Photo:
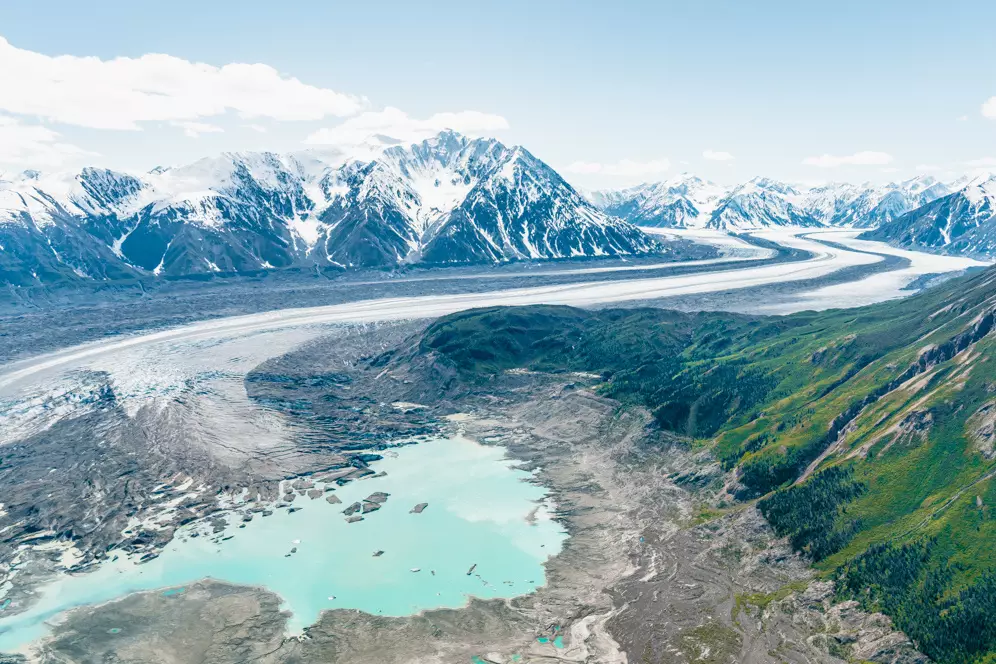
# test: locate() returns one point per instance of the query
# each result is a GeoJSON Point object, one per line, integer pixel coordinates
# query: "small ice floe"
{"type": "Point", "coordinates": [416, 569]}
{"type": "Point", "coordinates": [331, 598]}
{"type": "Point", "coordinates": [406, 406]}
{"type": "Point", "coordinates": [296, 542]}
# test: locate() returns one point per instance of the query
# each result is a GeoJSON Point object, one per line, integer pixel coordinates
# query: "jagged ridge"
{"type": "Point", "coordinates": [447, 200]}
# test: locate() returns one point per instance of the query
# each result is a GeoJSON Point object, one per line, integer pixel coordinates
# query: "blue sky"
{"type": "Point", "coordinates": [608, 93]}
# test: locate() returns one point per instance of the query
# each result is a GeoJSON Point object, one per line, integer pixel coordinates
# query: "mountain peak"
{"type": "Point", "coordinates": [984, 180]}
{"type": "Point", "coordinates": [448, 135]}
{"type": "Point", "coordinates": [981, 190]}
{"type": "Point", "coordinates": [446, 140]}
{"type": "Point", "coordinates": [926, 180]}
{"type": "Point", "coordinates": [447, 199]}
{"type": "Point", "coordinates": [765, 184]}
{"type": "Point", "coordinates": [685, 178]}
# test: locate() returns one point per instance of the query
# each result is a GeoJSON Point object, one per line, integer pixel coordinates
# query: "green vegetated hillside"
{"type": "Point", "coordinates": [865, 435]}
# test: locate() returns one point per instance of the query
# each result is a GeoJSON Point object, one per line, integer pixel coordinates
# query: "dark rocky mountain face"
{"type": "Point", "coordinates": [368, 226]}
{"type": "Point", "coordinates": [521, 208]}
{"type": "Point", "coordinates": [447, 200]}
{"type": "Point", "coordinates": [61, 250]}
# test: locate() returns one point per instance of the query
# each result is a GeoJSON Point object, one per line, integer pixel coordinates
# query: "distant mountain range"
{"type": "Point", "coordinates": [963, 222]}
{"type": "Point", "coordinates": [448, 200]}
{"type": "Point", "coordinates": [687, 201]}
{"type": "Point", "coordinates": [920, 213]}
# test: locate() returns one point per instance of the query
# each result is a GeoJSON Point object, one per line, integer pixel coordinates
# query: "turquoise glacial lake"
{"type": "Point", "coordinates": [482, 511]}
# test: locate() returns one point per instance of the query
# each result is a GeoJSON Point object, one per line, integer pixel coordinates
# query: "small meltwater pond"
{"type": "Point", "coordinates": [486, 532]}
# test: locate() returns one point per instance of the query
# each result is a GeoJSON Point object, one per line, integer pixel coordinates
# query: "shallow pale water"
{"type": "Point", "coordinates": [480, 512]}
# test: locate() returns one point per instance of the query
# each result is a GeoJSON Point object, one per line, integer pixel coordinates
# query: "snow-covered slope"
{"type": "Point", "coordinates": [688, 201]}
{"type": "Point", "coordinates": [685, 201]}
{"type": "Point", "coordinates": [867, 205]}
{"type": "Point", "coordinates": [63, 226]}
{"type": "Point", "coordinates": [448, 200]}
{"type": "Point", "coordinates": [761, 203]}
{"type": "Point", "coordinates": [454, 200]}
{"type": "Point", "coordinates": [963, 222]}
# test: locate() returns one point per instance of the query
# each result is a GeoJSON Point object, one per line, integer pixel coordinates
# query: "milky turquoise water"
{"type": "Point", "coordinates": [482, 510]}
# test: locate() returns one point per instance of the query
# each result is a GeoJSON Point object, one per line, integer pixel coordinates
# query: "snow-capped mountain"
{"type": "Point", "coordinates": [963, 222]}
{"type": "Point", "coordinates": [454, 200]}
{"type": "Point", "coordinates": [761, 203]}
{"type": "Point", "coordinates": [231, 213]}
{"type": "Point", "coordinates": [866, 205]}
{"type": "Point", "coordinates": [685, 201]}
{"type": "Point", "coordinates": [688, 201]}
{"type": "Point", "coordinates": [448, 200]}
{"type": "Point", "coordinates": [62, 227]}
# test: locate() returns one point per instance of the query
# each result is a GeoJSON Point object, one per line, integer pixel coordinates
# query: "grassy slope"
{"type": "Point", "coordinates": [885, 396]}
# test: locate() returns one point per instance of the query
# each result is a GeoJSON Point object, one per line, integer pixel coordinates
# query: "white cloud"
{"type": "Point", "coordinates": [34, 146]}
{"type": "Point", "coordinates": [927, 168]}
{"type": "Point", "coordinates": [195, 129]}
{"type": "Point", "coordinates": [156, 91]}
{"type": "Point", "coordinates": [623, 167]}
{"type": "Point", "coordinates": [713, 155]}
{"type": "Point", "coordinates": [866, 158]}
{"type": "Point", "coordinates": [989, 108]}
{"type": "Point", "coordinates": [964, 118]}
{"type": "Point", "coordinates": [399, 126]}
{"type": "Point", "coordinates": [123, 92]}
